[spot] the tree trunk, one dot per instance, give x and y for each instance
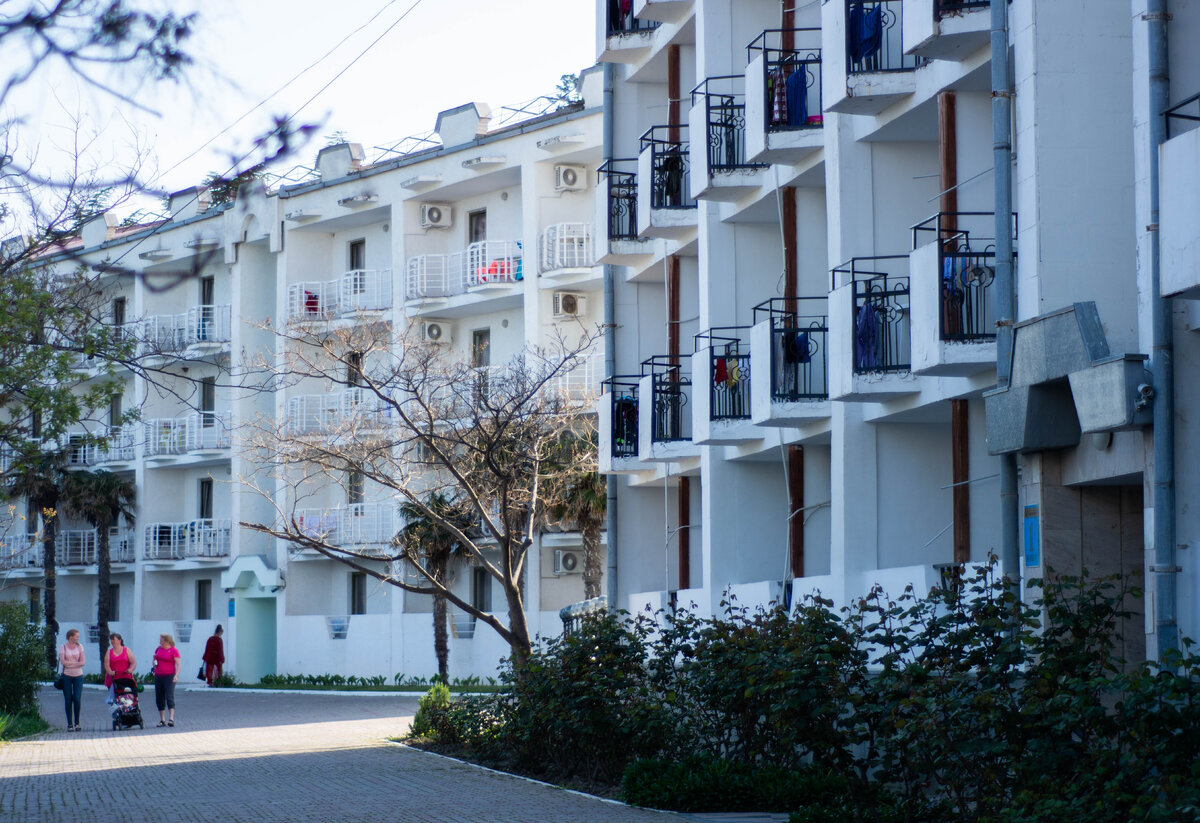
(593, 559)
(517, 624)
(49, 601)
(103, 591)
(440, 636)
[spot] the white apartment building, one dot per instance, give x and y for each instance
(802, 238)
(479, 232)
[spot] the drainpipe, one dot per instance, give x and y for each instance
(1006, 303)
(610, 351)
(1162, 355)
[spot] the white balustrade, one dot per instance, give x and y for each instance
(354, 526)
(196, 431)
(428, 276)
(491, 262)
(566, 246)
(365, 290)
(192, 539)
(20, 551)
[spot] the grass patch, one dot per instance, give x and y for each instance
(15, 726)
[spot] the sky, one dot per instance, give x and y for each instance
(443, 53)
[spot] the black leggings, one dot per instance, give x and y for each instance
(164, 691)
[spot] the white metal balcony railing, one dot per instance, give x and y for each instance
(428, 276)
(120, 446)
(198, 431)
(199, 325)
(565, 246)
(185, 541)
(81, 547)
(20, 551)
(352, 526)
(491, 262)
(309, 413)
(356, 290)
(581, 383)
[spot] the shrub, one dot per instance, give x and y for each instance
(13, 726)
(710, 784)
(22, 660)
(432, 703)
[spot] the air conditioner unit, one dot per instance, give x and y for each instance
(566, 562)
(569, 304)
(435, 332)
(436, 216)
(570, 178)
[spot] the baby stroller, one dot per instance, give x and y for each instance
(125, 711)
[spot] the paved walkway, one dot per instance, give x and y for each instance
(267, 758)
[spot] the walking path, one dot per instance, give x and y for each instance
(269, 758)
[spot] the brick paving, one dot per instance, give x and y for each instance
(265, 758)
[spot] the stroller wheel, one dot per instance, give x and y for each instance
(141, 725)
(116, 726)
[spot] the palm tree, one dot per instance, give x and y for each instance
(433, 544)
(100, 498)
(583, 501)
(37, 476)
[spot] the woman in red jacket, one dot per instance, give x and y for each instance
(214, 656)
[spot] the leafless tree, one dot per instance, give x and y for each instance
(415, 420)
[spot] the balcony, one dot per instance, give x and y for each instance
(1179, 232)
(665, 390)
(875, 71)
(722, 411)
(869, 329)
(665, 207)
(357, 292)
(617, 413)
(114, 448)
(565, 254)
(200, 540)
(783, 96)
(80, 547)
(20, 551)
(365, 528)
(352, 410)
(953, 269)
(790, 342)
(456, 284)
(664, 11)
(618, 241)
(721, 171)
(577, 386)
(947, 29)
(627, 37)
(197, 434)
(198, 331)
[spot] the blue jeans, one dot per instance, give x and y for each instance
(73, 698)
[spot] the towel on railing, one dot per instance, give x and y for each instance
(867, 340)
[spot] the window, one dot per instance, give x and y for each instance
(481, 589)
(114, 410)
(358, 593)
(481, 347)
(354, 368)
(206, 499)
(358, 255)
(118, 313)
(477, 226)
(114, 601)
(208, 291)
(203, 599)
(354, 488)
(208, 398)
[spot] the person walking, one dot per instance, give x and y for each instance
(72, 657)
(118, 662)
(214, 656)
(166, 675)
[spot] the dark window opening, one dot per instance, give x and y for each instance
(203, 599)
(206, 498)
(477, 226)
(358, 593)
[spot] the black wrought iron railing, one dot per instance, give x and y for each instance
(671, 387)
(724, 100)
(728, 372)
(622, 21)
(880, 312)
(1183, 116)
(799, 347)
(622, 391)
(945, 8)
(670, 167)
(966, 272)
(873, 37)
(620, 174)
(792, 77)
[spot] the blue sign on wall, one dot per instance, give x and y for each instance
(231, 602)
(1033, 547)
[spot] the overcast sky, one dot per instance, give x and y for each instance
(442, 54)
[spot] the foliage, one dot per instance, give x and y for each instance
(24, 724)
(712, 784)
(437, 699)
(22, 667)
(227, 680)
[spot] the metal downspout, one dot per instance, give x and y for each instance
(610, 352)
(1006, 303)
(1162, 355)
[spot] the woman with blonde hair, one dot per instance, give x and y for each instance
(72, 658)
(166, 675)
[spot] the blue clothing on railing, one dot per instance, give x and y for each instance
(797, 97)
(865, 32)
(867, 341)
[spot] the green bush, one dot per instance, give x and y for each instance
(709, 784)
(433, 702)
(13, 726)
(22, 661)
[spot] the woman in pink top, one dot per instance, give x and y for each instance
(118, 662)
(166, 675)
(72, 658)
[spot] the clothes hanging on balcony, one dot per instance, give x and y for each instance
(777, 93)
(672, 177)
(312, 302)
(719, 371)
(733, 373)
(953, 269)
(865, 36)
(797, 98)
(868, 342)
(795, 347)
